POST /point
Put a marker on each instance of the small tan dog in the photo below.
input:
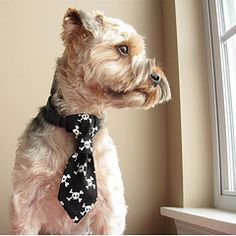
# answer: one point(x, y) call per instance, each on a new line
point(104, 65)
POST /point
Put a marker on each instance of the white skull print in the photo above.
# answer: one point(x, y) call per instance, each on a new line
point(86, 145)
point(94, 129)
point(90, 183)
point(75, 219)
point(75, 156)
point(75, 195)
point(85, 117)
point(64, 179)
point(81, 169)
point(76, 131)
point(86, 209)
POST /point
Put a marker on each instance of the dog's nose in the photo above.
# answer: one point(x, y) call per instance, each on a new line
point(155, 78)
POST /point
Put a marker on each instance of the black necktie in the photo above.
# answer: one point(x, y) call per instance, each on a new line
point(78, 188)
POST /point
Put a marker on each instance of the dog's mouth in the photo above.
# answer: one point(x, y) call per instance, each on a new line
point(118, 94)
point(148, 93)
point(114, 93)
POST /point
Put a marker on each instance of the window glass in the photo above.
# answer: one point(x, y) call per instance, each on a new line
point(229, 13)
point(227, 21)
point(230, 45)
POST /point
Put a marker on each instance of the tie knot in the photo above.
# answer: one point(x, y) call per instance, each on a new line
point(81, 124)
point(84, 127)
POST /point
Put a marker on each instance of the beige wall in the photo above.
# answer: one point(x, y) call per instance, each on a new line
point(194, 103)
point(189, 142)
point(189, 157)
point(29, 45)
point(175, 178)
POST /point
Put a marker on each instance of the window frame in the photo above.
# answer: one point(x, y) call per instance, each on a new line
point(222, 199)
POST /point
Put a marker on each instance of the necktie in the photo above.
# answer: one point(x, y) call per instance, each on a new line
point(78, 188)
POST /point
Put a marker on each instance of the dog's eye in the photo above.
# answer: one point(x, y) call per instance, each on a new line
point(123, 49)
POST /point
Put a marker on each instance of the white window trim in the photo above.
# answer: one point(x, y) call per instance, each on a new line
point(226, 201)
point(201, 220)
point(229, 33)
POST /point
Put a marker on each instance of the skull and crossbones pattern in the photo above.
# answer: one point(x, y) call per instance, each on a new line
point(90, 183)
point(64, 179)
point(75, 195)
point(76, 131)
point(78, 189)
point(93, 131)
point(87, 144)
point(75, 156)
point(84, 117)
point(75, 219)
point(86, 208)
point(81, 169)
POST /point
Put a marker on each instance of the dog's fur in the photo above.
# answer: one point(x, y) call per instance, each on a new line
point(91, 75)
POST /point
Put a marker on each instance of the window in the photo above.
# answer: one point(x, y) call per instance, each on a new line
point(220, 21)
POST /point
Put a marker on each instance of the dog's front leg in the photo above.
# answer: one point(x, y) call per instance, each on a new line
point(27, 210)
point(24, 220)
point(108, 222)
point(110, 212)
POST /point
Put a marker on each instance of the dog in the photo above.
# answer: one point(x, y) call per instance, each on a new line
point(104, 64)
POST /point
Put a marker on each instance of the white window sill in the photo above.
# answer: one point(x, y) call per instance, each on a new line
point(208, 220)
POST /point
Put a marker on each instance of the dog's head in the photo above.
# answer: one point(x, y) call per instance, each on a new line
point(108, 59)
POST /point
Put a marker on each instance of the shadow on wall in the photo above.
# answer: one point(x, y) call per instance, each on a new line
point(141, 142)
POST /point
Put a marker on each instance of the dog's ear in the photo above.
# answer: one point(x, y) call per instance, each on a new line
point(78, 24)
